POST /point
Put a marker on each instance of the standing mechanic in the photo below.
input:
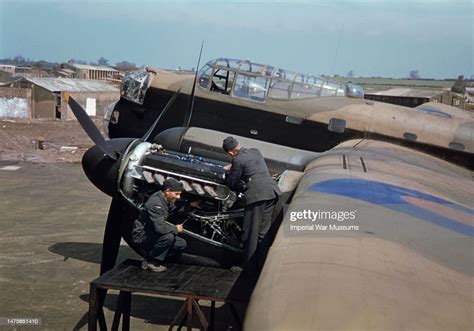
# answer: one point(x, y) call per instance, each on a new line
point(249, 170)
point(154, 237)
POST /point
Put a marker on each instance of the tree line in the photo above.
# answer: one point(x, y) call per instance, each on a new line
point(21, 61)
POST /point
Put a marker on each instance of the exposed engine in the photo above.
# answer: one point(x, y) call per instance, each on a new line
point(217, 222)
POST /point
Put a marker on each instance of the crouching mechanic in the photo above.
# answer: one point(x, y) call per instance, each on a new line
point(156, 239)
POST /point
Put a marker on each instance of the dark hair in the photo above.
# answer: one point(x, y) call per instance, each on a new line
point(229, 143)
point(172, 185)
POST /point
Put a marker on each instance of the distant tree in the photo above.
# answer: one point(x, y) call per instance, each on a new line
point(459, 86)
point(103, 61)
point(81, 62)
point(413, 74)
point(39, 64)
point(19, 59)
point(125, 66)
point(350, 73)
point(72, 61)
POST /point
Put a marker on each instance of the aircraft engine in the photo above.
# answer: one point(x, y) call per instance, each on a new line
point(217, 222)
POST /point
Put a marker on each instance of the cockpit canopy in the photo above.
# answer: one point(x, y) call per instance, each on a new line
point(248, 80)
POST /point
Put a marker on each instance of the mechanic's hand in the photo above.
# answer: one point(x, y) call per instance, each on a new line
point(179, 228)
point(227, 167)
point(196, 204)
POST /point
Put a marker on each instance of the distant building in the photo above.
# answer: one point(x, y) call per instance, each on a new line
point(47, 96)
point(65, 73)
point(5, 77)
point(15, 102)
point(469, 98)
point(29, 72)
point(84, 71)
point(17, 71)
point(409, 97)
point(8, 68)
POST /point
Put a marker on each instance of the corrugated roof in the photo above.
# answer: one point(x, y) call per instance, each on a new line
point(408, 92)
point(73, 85)
point(90, 67)
point(65, 73)
point(68, 70)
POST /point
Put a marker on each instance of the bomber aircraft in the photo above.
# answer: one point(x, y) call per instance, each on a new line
point(371, 232)
point(293, 109)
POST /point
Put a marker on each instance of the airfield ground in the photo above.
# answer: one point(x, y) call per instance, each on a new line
point(52, 221)
point(19, 140)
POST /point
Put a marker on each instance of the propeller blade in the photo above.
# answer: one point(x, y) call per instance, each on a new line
point(168, 105)
point(89, 127)
point(188, 115)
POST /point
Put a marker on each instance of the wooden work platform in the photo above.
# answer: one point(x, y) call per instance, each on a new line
point(193, 283)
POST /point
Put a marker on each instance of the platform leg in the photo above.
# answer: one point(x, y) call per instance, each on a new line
point(200, 314)
point(180, 316)
point(211, 316)
point(127, 306)
point(93, 305)
point(118, 312)
point(189, 303)
point(101, 294)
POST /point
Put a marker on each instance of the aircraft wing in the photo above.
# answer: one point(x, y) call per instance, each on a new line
point(405, 260)
point(443, 110)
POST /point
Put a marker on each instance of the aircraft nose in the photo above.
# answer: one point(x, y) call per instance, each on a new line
point(101, 170)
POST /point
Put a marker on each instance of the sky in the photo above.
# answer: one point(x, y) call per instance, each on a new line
point(384, 38)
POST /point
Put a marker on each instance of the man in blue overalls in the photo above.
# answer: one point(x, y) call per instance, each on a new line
point(152, 235)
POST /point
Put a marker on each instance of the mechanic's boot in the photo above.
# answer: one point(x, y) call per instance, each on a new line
point(153, 267)
point(236, 268)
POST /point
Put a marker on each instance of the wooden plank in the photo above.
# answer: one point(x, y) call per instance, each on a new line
point(178, 280)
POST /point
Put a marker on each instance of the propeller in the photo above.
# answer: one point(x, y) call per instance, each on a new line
point(101, 165)
point(189, 114)
point(89, 127)
point(147, 135)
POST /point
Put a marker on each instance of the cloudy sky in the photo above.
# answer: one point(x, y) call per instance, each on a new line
point(385, 38)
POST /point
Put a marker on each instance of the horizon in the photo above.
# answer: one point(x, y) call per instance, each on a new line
point(27, 59)
point(371, 38)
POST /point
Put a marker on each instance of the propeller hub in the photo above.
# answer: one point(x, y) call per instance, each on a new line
point(102, 170)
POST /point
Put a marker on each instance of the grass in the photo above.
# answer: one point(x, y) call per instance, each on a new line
point(387, 83)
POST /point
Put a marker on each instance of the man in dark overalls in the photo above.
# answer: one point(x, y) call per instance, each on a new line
point(261, 194)
point(152, 235)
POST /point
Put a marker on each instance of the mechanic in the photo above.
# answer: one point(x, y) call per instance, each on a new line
point(249, 173)
point(156, 239)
